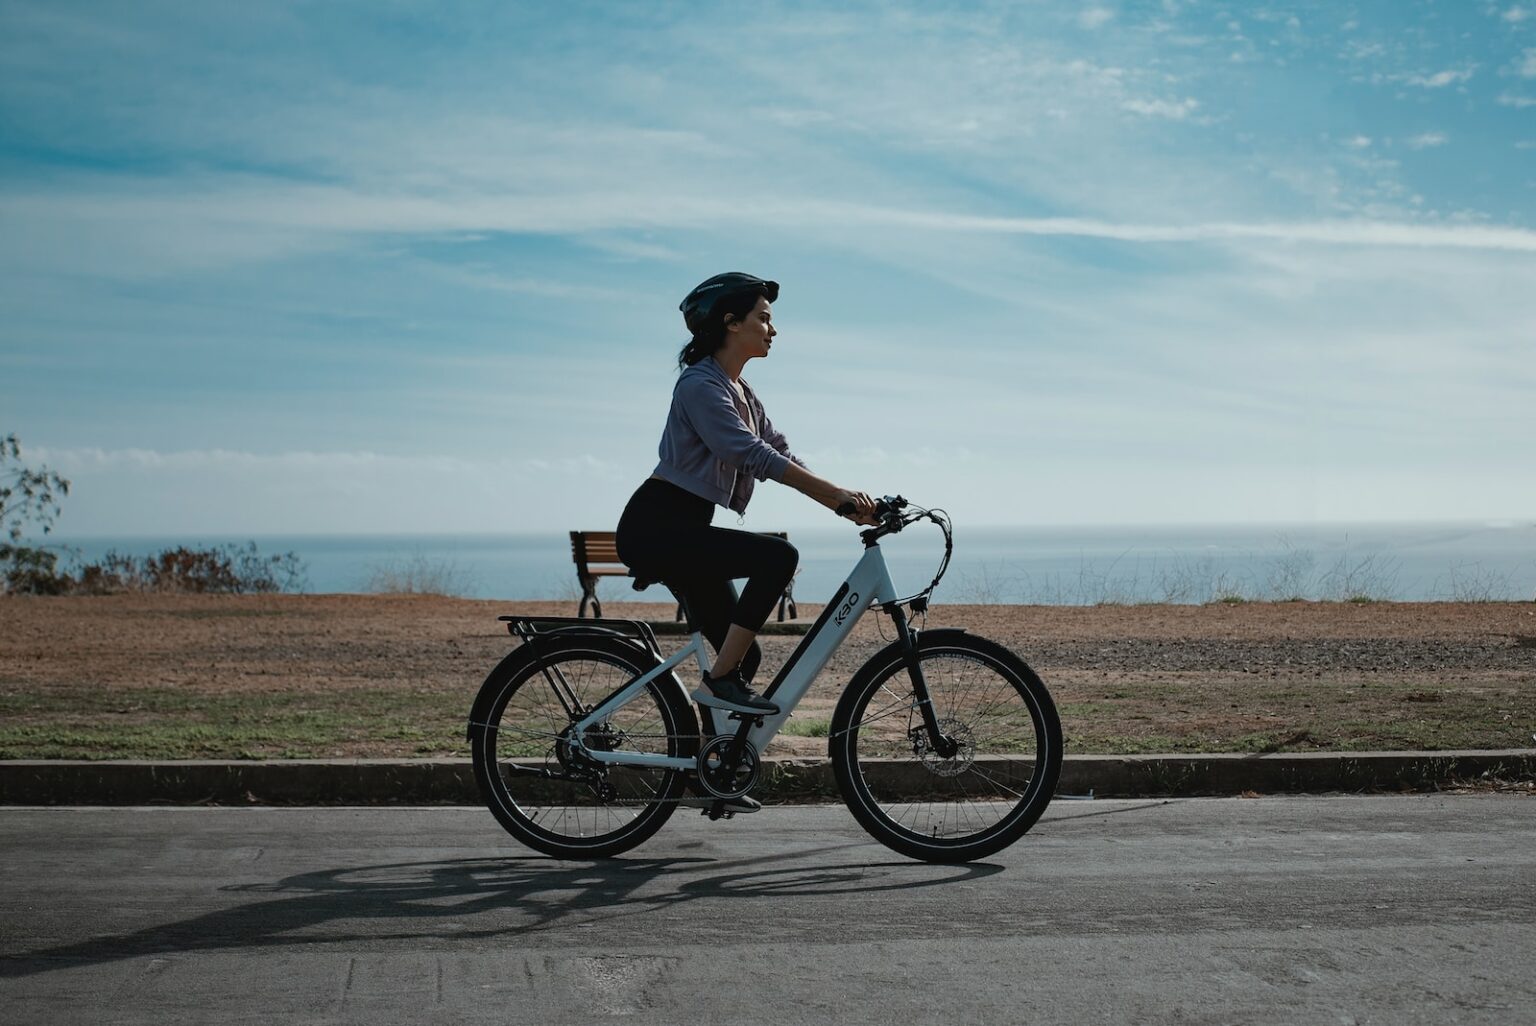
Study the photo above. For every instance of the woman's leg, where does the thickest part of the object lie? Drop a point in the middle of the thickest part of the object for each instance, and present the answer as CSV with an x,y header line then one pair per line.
x,y
711,606
664,534
768,564
739,642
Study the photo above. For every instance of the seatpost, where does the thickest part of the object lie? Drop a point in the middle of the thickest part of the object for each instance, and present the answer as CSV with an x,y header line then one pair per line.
x,y
945,747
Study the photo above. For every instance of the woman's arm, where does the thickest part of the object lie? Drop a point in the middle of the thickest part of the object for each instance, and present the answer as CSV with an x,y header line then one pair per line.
x,y
711,411
829,494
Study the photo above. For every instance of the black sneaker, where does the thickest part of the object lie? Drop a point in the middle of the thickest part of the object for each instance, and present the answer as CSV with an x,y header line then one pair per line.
x,y
734,693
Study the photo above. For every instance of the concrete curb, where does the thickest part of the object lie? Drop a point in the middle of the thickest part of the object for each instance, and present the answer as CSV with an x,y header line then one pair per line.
x,y
452,781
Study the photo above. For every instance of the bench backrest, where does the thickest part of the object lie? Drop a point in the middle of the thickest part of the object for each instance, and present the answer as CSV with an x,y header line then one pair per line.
x,y
589,547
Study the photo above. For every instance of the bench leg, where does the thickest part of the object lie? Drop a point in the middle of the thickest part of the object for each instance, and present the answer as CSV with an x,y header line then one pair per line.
x,y
787,601
589,594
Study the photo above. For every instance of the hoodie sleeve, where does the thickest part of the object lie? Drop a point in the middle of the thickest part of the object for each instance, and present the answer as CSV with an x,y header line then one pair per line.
x,y
772,435
712,413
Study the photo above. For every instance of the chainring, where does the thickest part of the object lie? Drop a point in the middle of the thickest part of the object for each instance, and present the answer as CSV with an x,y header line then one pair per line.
x,y
720,781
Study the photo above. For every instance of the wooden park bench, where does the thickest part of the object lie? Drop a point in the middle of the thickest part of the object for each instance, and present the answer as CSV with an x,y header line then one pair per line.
x,y
596,556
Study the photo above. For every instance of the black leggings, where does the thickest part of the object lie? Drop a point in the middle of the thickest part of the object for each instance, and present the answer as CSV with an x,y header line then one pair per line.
x,y
664,535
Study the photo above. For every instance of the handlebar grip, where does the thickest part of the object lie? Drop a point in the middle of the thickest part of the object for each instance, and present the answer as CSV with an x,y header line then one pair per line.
x,y
883,507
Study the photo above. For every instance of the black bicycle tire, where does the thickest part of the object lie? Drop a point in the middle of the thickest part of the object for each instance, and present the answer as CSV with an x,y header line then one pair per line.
x,y
522,667
851,780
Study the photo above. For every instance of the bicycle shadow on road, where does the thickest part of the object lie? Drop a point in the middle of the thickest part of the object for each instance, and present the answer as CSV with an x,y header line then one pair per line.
x,y
476,899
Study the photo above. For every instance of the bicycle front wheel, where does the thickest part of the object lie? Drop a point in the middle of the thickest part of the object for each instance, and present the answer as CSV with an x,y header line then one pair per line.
x,y
540,786
980,798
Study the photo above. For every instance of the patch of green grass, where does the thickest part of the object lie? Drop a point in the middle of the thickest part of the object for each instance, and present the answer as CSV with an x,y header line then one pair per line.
x,y
402,719
1140,691
1279,740
1083,739
172,723
1084,709
807,727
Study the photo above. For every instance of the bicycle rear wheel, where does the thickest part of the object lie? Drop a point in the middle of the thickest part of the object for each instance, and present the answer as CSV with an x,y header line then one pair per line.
x,y
540,786
984,796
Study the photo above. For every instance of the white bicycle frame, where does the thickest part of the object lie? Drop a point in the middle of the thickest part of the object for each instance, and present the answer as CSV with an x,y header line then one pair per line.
x,y
868,585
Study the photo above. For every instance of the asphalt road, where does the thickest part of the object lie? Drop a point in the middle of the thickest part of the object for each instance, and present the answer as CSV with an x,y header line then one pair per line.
x,y
1393,910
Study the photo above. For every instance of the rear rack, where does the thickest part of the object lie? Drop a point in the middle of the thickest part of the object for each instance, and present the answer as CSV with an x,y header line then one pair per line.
x,y
530,627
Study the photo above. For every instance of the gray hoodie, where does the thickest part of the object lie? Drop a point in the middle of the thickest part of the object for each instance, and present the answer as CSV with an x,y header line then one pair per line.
x,y
715,445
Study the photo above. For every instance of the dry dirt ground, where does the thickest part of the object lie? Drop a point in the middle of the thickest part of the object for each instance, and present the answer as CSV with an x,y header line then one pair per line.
x,y
349,675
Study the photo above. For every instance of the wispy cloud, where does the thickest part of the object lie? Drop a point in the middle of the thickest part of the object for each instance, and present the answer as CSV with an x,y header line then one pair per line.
x,y
1441,79
144,233
1425,140
1095,17
1358,233
1173,110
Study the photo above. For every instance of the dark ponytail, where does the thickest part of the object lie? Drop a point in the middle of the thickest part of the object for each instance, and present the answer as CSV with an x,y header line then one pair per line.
x,y
711,336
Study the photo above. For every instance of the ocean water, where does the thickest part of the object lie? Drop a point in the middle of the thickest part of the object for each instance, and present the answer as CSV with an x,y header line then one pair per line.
x,y
1049,565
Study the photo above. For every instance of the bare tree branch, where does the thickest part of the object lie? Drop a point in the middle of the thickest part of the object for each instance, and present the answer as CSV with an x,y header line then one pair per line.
x,y
27,495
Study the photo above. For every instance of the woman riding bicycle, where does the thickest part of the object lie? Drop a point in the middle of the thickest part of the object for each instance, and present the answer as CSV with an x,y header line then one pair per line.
x,y
945,746
718,441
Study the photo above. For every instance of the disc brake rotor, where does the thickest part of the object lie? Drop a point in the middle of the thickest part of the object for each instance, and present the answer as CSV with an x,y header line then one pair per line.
x,y
954,765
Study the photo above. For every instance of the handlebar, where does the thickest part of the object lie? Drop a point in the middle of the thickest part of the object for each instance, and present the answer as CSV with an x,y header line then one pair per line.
x,y
884,507
892,514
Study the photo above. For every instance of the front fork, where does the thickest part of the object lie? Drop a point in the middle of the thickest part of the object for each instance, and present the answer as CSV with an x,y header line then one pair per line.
x,y
942,744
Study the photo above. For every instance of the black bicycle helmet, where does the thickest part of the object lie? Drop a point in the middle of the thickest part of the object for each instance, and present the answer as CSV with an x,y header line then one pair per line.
x,y
697,305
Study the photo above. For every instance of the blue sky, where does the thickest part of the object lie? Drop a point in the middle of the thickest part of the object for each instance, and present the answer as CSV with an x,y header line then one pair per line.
x,y
313,267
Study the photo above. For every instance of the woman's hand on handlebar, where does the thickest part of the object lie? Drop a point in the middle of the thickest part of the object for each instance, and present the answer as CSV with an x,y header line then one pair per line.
x,y
856,506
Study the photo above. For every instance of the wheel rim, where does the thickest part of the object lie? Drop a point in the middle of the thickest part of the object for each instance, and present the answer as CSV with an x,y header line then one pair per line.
x,y
528,734
982,788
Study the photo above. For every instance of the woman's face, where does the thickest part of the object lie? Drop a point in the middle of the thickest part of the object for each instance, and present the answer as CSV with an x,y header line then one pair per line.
x,y
753,334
